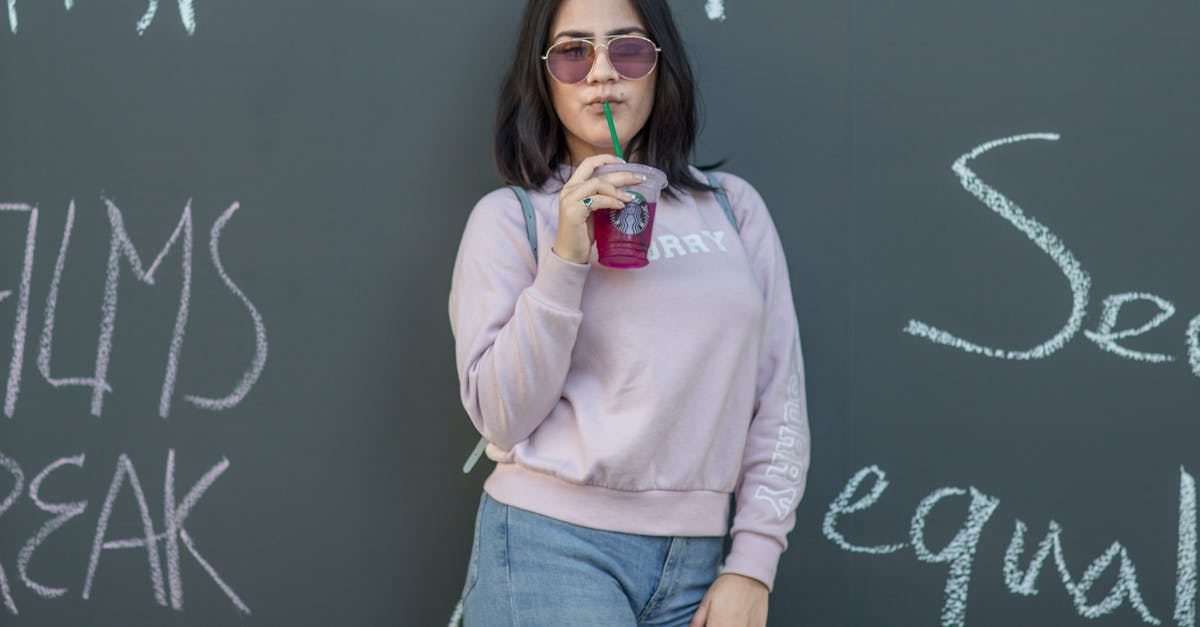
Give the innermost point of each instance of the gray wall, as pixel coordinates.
(354, 138)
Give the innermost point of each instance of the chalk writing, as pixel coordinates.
(18, 343)
(1185, 559)
(1041, 236)
(715, 9)
(1024, 583)
(14, 469)
(187, 15)
(960, 552)
(1107, 339)
(1193, 343)
(259, 361)
(1080, 283)
(841, 505)
(166, 589)
(64, 511)
(121, 248)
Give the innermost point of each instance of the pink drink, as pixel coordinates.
(623, 235)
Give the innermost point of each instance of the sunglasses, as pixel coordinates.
(569, 61)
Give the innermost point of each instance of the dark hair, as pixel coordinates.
(529, 142)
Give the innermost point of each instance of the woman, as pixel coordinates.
(623, 407)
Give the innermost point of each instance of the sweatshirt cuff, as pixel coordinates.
(754, 556)
(559, 283)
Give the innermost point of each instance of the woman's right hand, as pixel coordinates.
(575, 236)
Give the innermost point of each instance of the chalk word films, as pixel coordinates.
(122, 249)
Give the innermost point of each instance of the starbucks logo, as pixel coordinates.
(633, 218)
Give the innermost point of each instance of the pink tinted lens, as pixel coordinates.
(570, 61)
(632, 57)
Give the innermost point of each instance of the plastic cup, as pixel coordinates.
(623, 235)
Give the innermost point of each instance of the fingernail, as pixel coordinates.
(642, 176)
(627, 196)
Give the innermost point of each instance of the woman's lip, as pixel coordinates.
(598, 107)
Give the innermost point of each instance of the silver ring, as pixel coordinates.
(587, 202)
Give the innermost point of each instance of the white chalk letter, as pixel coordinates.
(1185, 561)
(1106, 338)
(148, 540)
(250, 377)
(1126, 587)
(959, 553)
(1193, 343)
(120, 245)
(715, 10)
(175, 515)
(46, 344)
(18, 343)
(842, 505)
(65, 511)
(14, 469)
(1041, 236)
(187, 15)
(1025, 583)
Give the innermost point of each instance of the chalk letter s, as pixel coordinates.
(250, 377)
(1041, 236)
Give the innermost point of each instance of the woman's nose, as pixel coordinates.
(602, 68)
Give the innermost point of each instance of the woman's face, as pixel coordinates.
(579, 106)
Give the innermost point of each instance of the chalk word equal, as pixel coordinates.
(959, 553)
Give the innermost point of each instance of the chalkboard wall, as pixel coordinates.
(226, 236)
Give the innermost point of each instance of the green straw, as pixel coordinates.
(613, 130)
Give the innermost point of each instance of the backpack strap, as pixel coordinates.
(531, 233)
(530, 220)
(723, 199)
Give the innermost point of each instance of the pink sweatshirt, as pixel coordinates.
(638, 400)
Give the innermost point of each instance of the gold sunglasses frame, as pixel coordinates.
(595, 43)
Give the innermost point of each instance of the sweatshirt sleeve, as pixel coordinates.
(775, 461)
(514, 321)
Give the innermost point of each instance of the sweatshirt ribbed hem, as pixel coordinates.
(755, 556)
(649, 512)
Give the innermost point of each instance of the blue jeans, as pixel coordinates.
(529, 570)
